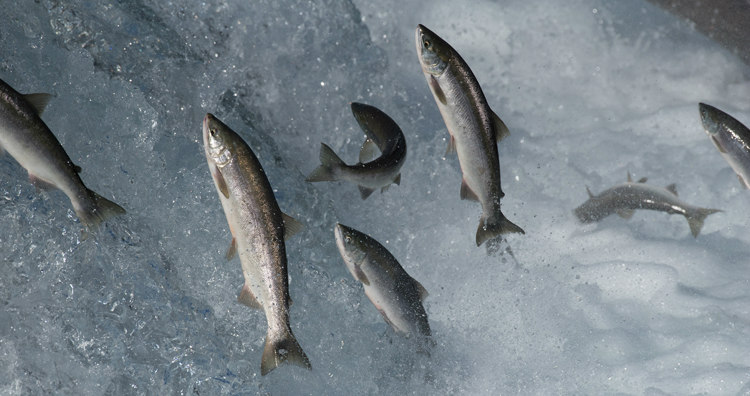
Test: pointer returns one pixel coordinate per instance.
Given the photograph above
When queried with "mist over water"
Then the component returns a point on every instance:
(589, 91)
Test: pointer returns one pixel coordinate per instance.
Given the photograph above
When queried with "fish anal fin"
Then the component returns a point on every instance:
(232, 250)
(38, 101)
(467, 193)
(451, 146)
(365, 192)
(41, 184)
(501, 130)
(672, 188)
(369, 151)
(439, 94)
(247, 298)
(221, 184)
(420, 289)
(625, 213)
(388, 320)
(397, 180)
(291, 225)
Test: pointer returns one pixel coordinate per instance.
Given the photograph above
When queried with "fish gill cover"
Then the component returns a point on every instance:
(589, 92)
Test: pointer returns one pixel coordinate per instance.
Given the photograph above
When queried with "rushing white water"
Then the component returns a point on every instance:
(590, 91)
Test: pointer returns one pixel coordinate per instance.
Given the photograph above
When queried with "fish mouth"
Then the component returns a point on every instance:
(418, 40)
(339, 232)
(206, 120)
(708, 118)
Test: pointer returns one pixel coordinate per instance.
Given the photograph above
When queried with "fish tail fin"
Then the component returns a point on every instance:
(329, 164)
(98, 211)
(501, 226)
(285, 349)
(695, 219)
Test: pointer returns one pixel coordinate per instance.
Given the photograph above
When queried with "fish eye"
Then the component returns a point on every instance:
(348, 239)
(212, 131)
(426, 43)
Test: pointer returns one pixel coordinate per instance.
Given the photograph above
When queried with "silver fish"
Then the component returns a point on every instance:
(258, 229)
(395, 294)
(474, 129)
(730, 137)
(28, 139)
(382, 133)
(625, 198)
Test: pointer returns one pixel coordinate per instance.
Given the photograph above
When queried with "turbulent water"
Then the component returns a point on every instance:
(590, 91)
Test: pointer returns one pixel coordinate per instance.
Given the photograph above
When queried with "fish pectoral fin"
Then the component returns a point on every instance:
(369, 151)
(439, 94)
(397, 180)
(221, 184)
(718, 145)
(77, 168)
(672, 188)
(247, 298)
(743, 182)
(625, 213)
(467, 193)
(501, 130)
(451, 146)
(360, 275)
(232, 251)
(291, 225)
(643, 180)
(38, 101)
(365, 192)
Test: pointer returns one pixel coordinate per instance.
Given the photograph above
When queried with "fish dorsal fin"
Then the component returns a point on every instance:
(369, 151)
(365, 192)
(589, 191)
(467, 193)
(397, 180)
(420, 289)
(625, 213)
(221, 184)
(247, 297)
(672, 188)
(501, 130)
(291, 225)
(232, 251)
(38, 101)
(630, 179)
(451, 146)
(643, 180)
